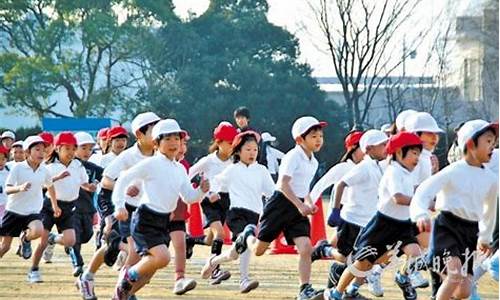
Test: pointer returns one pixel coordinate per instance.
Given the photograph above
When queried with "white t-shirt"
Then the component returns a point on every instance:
(246, 185)
(106, 159)
(423, 170)
(363, 180)
(330, 178)
(396, 179)
(68, 188)
(3, 177)
(210, 166)
(300, 168)
(273, 156)
(30, 201)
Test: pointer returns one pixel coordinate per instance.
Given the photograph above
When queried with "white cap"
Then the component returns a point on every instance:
(143, 119)
(83, 138)
(372, 137)
(302, 124)
(401, 118)
(471, 128)
(8, 134)
(422, 122)
(267, 137)
(386, 127)
(17, 144)
(32, 139)
(166, 126)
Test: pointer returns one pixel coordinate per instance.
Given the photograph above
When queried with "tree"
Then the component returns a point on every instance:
(360, 37)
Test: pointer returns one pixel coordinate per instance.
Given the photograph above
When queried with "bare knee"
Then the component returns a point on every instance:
(463, 290)
(162, 260)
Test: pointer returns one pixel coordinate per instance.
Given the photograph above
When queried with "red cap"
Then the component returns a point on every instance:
(402, 139)
(47, 137)
(238, 137)
(117, 131)
(65, 138)
(352, 139)
(225, 132)
(103, 133)
(4, 150)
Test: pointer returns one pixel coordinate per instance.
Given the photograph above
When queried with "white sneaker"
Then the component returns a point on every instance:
(120, 260)
(418, 281)
(374, 285)
(86, 288)
(183, 286)
(34, 277)
(246, 285)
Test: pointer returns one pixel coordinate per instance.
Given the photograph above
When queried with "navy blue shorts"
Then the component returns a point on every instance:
(280, 215)
(215, 212)
(65, 221)
(452, 236)
(125, 225)
(177, 226)
(149, 229)
(347, 233)
(380, 233)
(238, 218)
(13, 224)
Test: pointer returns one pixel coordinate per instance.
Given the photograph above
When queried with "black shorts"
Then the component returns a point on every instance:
(280, 215)
(13, 224)
(177, 226)
(105, 206)
(125, 225)
(216, 211)
(237, 218)
(452, 236)
(346, 237)
(64, 221)
(149, 229)
(380, 233)
(84, 227)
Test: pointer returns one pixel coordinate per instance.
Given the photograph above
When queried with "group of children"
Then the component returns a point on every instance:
(386, 186)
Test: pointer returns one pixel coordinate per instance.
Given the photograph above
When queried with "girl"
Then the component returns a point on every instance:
(68, 175)
(246, 181)
(24, 198)
(150, 222)
(102, 142)
(4, 172)
(215, 209)
(272, 155)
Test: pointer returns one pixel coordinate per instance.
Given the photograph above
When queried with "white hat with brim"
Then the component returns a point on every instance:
(303, 124)
(471, 129)
(422, 122)
(142, 120)
(372, 137)
(83, 138)
(167, 126)
(31, 140)
(8, 135)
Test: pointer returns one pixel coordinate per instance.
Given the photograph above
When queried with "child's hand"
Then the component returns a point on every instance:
(133, 191)
(434, 164)
(57, 211)
(304, 209)
(25, 187)
(91, 187)
(204, 184)
(121, 214)
(314, 208)
(214, 197)
(334, 219)
(62, 175)
(485, 249)
(424, 224)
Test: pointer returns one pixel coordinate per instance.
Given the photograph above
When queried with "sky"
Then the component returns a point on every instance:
(296, 17)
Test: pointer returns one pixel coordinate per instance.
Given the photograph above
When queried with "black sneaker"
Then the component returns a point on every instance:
(24, 249)
(404, 283)
(189, 246)
(336, 270)
(77, 271)
(319, 250)
(241, 241)
(219, 275)
(308, 293)
(354, 296)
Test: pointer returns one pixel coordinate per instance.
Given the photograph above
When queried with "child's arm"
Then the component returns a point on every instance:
(268, 185)
(286, 189)
(137, 172)
(487, 223)
(197, 168)
(327, 180)
(53, 200)
(401, 199)
(10, 190)
(189, 194)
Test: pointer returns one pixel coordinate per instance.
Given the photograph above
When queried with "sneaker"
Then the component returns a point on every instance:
(336, 270)
(24, 249)
(86, 288)
(418, 281)
(246, 285)
(120, 260)
(375, 285)
(49, 251)
(354, 296)
(208, 268)
(319, 250)
(77, 271)
(132, 297)
(329, 295)
(183, 286)
(241, 241)
(122, 289)
(404, 284)
(34, 277)
(219, 275)
(189, 247)
(308, 293)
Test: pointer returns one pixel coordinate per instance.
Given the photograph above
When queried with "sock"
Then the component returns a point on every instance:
(329, 250)
(200, 240)
(88, 275)
(133, 275)
(244, 265)
(353, 288)
(336, 294)
(217, 246)
(33, 269)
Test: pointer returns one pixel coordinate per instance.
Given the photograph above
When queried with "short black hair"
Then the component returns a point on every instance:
(407, 149)
(242, 111)
(119, 137)
(313, 128)
(164, 135)
(477, 135)
(245, 138)
(145, 128)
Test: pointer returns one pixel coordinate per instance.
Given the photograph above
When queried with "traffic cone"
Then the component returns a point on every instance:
(195, 223)
(318, 229)
(227, 235)
(280, 246)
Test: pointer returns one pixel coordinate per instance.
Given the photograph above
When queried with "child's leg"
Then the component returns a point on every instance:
(218, 236)
(178, 239)
(245, 264)
(158, 257)
(463, 291)
(209, 236)
(5, 242)
(132, 257)
(349, 274)
(412, 252)
(39, 250)
(423, 239)
(66, 239)
(34, 231)
(452, 280)
(304, 248)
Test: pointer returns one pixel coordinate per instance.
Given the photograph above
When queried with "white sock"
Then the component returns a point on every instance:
(88, 275)
(245, 264)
